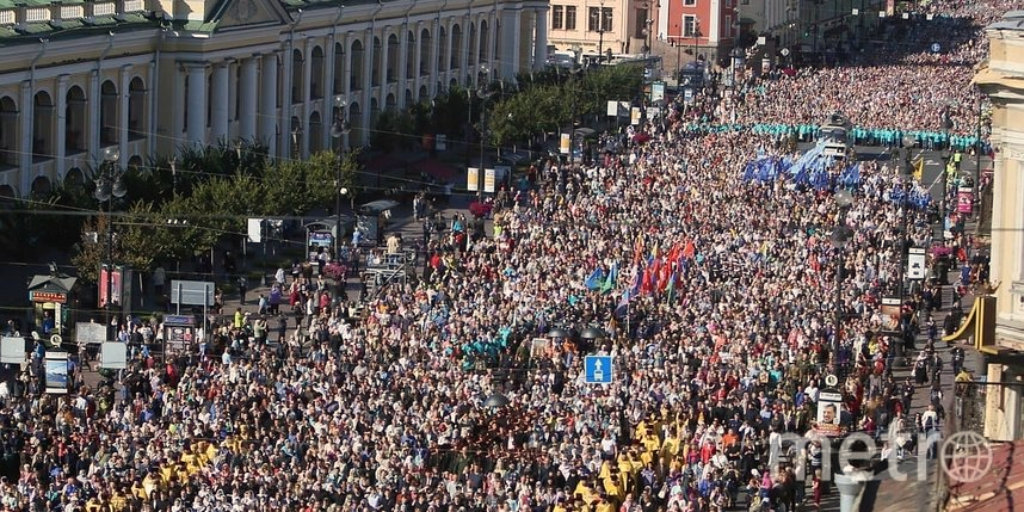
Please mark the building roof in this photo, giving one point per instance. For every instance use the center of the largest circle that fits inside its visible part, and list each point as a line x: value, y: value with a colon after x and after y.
x: 61, y: 282
x: 1001, y: 488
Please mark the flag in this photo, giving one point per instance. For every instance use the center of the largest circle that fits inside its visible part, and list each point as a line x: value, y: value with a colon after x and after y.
x: 595, y: 280
x: 690, y: 250
x: 919, y: 170
x: 666, y: 272
x: 671, y: 287
x: 638, y: 249
x: 609, y: 282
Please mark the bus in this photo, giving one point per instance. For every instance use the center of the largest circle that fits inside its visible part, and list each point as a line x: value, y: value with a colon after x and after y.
x: 835, y: 136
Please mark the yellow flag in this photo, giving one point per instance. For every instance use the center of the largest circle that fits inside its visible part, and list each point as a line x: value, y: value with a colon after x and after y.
x: 919, y: 170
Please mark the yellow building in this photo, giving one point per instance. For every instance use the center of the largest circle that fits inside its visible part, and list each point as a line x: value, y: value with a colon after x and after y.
x: 150, y: 76
x: 1003, y: 81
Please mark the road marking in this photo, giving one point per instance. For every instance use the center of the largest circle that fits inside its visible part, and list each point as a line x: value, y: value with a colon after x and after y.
x: 936, y: 181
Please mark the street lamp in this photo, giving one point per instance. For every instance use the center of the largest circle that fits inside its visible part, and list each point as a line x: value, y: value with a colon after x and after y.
x: 737, y: 56
x: 110, y: 185
x: 484, y: 94
x: 339, y: 128
x: 841, y: 236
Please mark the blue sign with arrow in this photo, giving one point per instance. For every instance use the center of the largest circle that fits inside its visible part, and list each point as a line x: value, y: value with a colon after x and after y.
x: 598, y: 369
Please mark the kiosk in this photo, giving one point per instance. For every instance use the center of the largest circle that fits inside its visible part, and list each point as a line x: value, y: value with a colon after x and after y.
x: 52, y: 297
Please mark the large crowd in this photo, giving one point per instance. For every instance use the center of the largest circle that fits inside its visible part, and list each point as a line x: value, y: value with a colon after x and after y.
x: 717, y: 297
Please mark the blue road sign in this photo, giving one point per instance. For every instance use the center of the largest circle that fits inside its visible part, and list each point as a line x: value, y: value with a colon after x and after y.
x: 598, y: 369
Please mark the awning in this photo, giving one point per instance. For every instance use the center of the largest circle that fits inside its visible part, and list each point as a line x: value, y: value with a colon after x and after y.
x: 585, y: 132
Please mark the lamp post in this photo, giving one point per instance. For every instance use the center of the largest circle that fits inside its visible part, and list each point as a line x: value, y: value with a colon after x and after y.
x: 908, y: 144
x: 110, y: 185
x: 737, y: 61
x: 339, y: 128
x: 696, y: 37
x: 940, y: 232
x: 484, y: 95
x: 574, y: 74
x: 841, y: 236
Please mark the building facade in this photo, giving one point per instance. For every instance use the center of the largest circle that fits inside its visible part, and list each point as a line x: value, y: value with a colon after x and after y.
x: 149, y: 76
x: 1003, y: 81
x: 592, y: 27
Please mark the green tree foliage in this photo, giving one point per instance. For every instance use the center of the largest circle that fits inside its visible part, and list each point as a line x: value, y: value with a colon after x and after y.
x: 297, y: 187
x: 395, y: 130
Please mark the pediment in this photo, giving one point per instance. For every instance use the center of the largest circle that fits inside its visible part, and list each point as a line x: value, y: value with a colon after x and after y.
x: 237, y: 14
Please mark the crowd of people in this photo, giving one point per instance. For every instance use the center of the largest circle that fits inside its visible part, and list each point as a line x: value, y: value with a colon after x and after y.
x: 722, y: 300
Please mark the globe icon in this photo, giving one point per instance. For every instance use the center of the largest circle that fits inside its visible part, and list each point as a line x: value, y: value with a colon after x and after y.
x: 966, y: 457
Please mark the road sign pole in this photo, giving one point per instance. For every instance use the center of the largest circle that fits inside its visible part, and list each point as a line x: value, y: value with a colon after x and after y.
x: 178, y: 310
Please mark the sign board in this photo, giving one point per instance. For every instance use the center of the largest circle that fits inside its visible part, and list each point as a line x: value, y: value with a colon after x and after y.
x: 830, y: 408
x: 965, y: 200
x: 502, y: 173
x: 598, y: 369
x: 441, y: 142
x: 472, y: 179
x: 90, y: 332
x: 47, y: 296
x: 856, y: 12
x: 114, y: 355
x: 12, y: 350
x: 192, y: 293
x: 564, y: 143
x: 110, y: 281
x: 178, y: 337
x: 254, y: 230
x: 613, y: 108
x: 56, y: 368
x: 657, y: 91
x: 489, y: 181
x: 891, y: 310
x: 688, y: 95
x: 916, y: 263
x: 538, y: 346
x: 653, y: 112
x: 634, y: 116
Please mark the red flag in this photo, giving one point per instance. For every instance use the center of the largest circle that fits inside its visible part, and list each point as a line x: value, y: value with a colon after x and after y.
x: 663, y: 279
x: 690, y: 251
x: 638, y: 249
x: 647, y: 285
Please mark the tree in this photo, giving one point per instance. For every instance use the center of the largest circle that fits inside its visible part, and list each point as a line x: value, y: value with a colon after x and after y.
x: 298, y: 187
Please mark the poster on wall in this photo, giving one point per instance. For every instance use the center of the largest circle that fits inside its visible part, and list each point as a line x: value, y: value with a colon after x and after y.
x: 110, y: 281
x: 56, y: 368
x: 473, y: 179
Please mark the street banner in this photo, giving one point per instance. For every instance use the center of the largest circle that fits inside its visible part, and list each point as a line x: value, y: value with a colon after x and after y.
x: 473, y: 179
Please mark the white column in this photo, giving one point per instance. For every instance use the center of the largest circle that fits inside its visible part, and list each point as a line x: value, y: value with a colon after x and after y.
x: 285, y: 121
x: 713, y: 30
x: 448, y: 55
x: 516, y: 28
x: 268, y: 103
x: 510, y: 44
x: 435, y: 49
x: 327, y: 114
x: 307, y: 97
x: 247, y: 98
x: 418, y: 62
x: 27, y: 116
x: 367, y: 84
x: 153, y: 89
x: 347, y: 85
x: 540, y: 50
x: 219, y: 96
x: 476, y: 51
x: 95, y: 102
x: 384, y: 50
x: 197, y: 104
x: 180, y: 99
x: 60, y: 143
x: 464, y: 52
x: 492, y: 39
x: 403, y: 65
x: 122, y: 111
